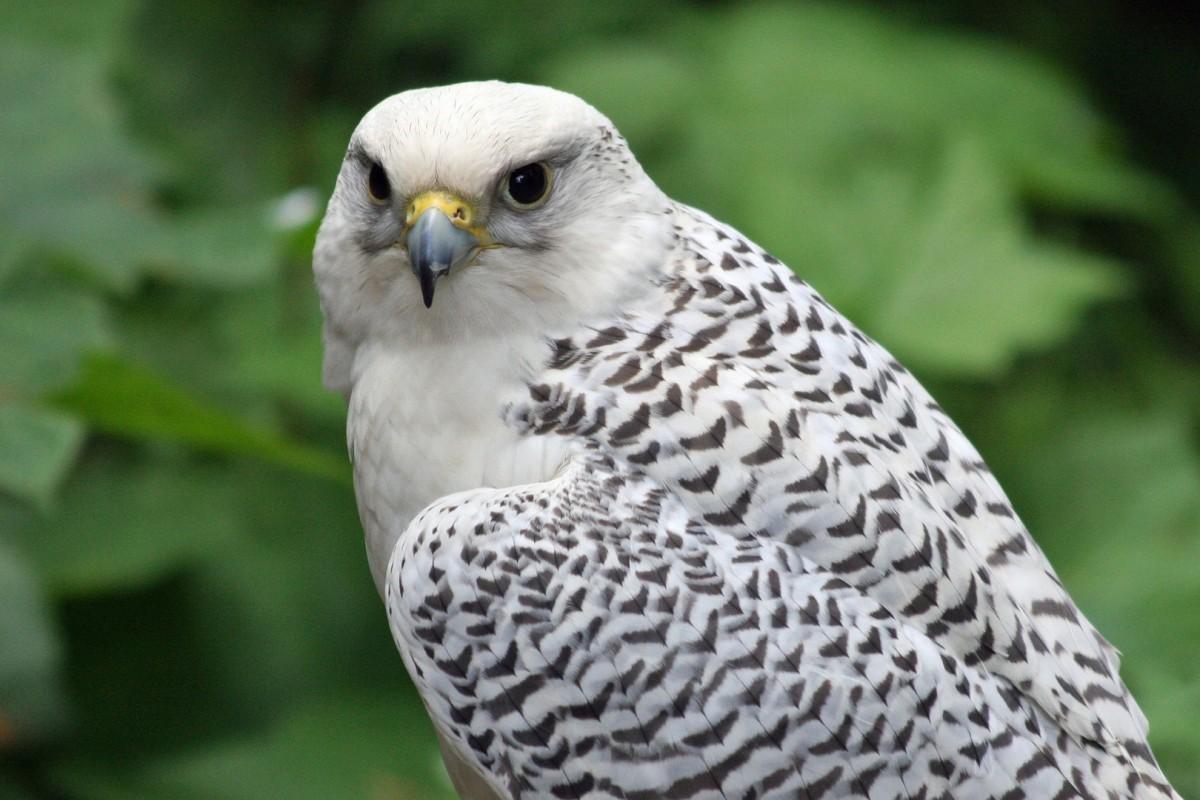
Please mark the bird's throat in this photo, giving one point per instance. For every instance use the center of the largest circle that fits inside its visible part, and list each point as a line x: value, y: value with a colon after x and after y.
x: 427, y: 422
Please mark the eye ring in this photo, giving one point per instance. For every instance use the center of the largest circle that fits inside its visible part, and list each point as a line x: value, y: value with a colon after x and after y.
x: 379, y: 188
x: 527, y: 186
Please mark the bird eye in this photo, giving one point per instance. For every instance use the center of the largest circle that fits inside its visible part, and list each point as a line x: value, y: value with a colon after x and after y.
x: 527, y: 186
x: 378, y: 185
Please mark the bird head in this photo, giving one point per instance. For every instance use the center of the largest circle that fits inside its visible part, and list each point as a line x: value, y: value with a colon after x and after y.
x: 477, y: 209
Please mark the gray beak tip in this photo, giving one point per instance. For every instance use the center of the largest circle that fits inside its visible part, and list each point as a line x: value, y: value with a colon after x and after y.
x: 435, y: 246
x: 427, y: 278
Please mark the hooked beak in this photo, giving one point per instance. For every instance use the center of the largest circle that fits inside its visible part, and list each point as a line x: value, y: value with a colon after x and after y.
x: 440, y: 236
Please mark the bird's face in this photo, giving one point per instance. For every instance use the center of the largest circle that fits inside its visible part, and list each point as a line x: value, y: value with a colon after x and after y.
x: 470, y: 209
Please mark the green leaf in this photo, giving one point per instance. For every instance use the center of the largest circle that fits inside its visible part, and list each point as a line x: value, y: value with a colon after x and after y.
x: 46, y: 326
x: 68, y: 134
x: 11, y: 789
x: 1081, y: 465
x: 224, y: 246
x: 1131, y: 485
x: 864, y: 82
x: 88, y: 26
x: 1183, y: 266
x: 240, y: 592
x: 142, y: 684
x: 231, y: 129
x: 275, y: 338
x: 122, y: 399
x: 370, y: 744
x: 36, y: 449
x: 1106, y: 475
x: 32, y: 706
x: 645, y: 89
x: 174, y: 331
x: 1170, y: 703
x: 1111, y: 492
x: 291, y: 608
x: 13, y: 251
x: 973, y: 290
x: 123, y: 521
x: 885, y: 165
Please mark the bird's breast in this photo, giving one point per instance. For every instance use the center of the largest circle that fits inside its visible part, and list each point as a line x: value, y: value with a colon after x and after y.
x: 427, y: 422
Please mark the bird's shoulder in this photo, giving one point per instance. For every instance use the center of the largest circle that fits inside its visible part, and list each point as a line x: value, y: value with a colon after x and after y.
x: 744, y: 392
x: 591, y: 634
x: 753, y: 469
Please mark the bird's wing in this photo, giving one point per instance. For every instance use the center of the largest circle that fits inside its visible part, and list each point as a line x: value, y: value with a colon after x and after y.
x: 742, y: 391
x: 593, y: 637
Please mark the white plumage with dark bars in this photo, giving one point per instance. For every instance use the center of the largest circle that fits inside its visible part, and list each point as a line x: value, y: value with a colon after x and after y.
x: 651, y: 519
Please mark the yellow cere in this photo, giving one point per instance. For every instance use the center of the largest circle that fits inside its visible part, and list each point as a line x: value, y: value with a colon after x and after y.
x: 460, y: 212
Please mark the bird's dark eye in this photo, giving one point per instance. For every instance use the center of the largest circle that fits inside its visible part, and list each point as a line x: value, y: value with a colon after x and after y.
x: 378, y: 185
x: 527, y: 186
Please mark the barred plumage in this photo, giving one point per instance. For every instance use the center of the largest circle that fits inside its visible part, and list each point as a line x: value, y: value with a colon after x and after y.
x: 728, y: 548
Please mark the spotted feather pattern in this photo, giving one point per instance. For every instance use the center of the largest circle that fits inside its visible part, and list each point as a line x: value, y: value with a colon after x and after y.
x: 774, y: 569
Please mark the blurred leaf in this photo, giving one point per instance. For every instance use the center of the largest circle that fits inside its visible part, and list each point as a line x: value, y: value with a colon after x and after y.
x: 70, y: 134
x: 884, y: 164
x: 976, y: 290
x: 89, y: 26
x: 508, y: 46
x: 1183, y: 262
x: 291, y: 607
x: 36, y: 449
x: 1170, y: 703
x: 1112, y: 494
x: 45, y: 328
x: 645, y: 89
x: 275, y: 336
x: 67, y: 134
x: 225, y: 246
x: 134, y: 656
x: 878, y: 82
x: 222, y: 100
x: 13, y: 250
x: 122, y: 399
x: 1130, y: 485
x: 1082, y: 466
x: 373, y: 744
x: 257, y: 350
x: 125, y: 521
x: 31, y: 702
x: 266, y: 599
x: 10, y: 789
x: 175, y: 332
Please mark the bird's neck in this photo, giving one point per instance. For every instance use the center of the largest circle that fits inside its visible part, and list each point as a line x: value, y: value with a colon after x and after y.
x: 427, y: 421
x: 428, y: 395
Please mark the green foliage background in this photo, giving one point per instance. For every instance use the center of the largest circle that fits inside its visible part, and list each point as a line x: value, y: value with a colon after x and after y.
x: 185, y: 610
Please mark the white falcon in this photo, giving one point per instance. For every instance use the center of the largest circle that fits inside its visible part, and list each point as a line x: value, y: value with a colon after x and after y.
x: 651, y: 519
